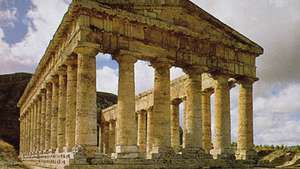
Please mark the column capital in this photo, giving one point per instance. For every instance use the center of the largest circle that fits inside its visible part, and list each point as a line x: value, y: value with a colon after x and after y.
x: 62, y: 70
x: 150, y: 109
x: 176, y: 101
x: 72, y: 60
x: 208, y: 91
x: 141, y: 112
x: 194, y: 70
x: 87, y: 49
x: 54, y: 79
x: 48, y: 85
x: 161, y: 63
x: 43, y: 90
x: 125, y: 58
x: 246, y: 80
x: 217, y: 75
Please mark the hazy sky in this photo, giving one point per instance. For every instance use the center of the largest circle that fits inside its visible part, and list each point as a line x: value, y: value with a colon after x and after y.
x: 26, y: 27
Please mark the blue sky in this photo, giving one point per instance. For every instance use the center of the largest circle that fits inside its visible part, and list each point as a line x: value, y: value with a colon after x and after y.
x: 27, y: 26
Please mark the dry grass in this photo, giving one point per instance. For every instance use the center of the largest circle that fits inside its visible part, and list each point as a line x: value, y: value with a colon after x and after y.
x: 9, y: 157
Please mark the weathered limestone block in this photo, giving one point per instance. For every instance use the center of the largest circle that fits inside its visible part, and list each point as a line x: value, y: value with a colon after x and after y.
x: 126, y: 141
x: 62, y: 98
x: 245, y: 145
x: 71, y: 102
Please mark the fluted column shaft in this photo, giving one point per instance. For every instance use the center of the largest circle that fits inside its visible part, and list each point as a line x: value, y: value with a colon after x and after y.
x: 31, y: 127
x: 222, y: 117
x: 27, y: 141
x: 38, y: 124
x: 48, y: 116
x: 245, y: 146
x: 62, y: 108
x: 184, y: 122
x: 175, y: 142
x: 86, y: 113
x: 161, y: 108
x: 126, y: 142
x: 142, y: 124
x: 54, y: 112
x: 21, y: 122
x: 35, y: 105
x: 112, y: 136
x: 206, y: 120
x: 193, y: 87
x: 105, y: 138
x: 150, y: 130
x: 71, y: 103
x: 43, y: 120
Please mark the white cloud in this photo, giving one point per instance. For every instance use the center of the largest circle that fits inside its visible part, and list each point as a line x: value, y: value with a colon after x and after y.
x: 144, y: 76
x: 8, y: 17
x: 44, y: 20
x: 107, y: 80
x: 276, y: 117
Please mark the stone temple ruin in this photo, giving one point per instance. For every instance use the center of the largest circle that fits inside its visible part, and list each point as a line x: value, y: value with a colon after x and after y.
x: 58, y: 115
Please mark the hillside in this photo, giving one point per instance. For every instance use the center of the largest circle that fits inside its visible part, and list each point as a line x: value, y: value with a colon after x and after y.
x: 11, y: 88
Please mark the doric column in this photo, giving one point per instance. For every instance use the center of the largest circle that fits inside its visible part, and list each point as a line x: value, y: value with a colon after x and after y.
x: 35, y: 107
x: 175, y: 139
x: 245, y: 146
x: 54, y: 112
x: 193, y: 87
x: 222, y: 118
x: 105, y: 138
x: 31, y: 127
x: 100, y: 136
x: 21, y: 122
x: 206, y: 120
x: 43, y: 119
x: 126, y: 143
x: 150, y: 131
x: 184, y: 122
x: 71, y: 102
x: 38, y: 124
x: 26, y: 133
x: 112, y: 136
x: 161, y: 108
x: 62, y: 100
x: 86, y: 110
x: 48, y: 116
x: 142, y: 124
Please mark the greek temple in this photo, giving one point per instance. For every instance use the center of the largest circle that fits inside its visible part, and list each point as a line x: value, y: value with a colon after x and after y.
x: 58, y: 112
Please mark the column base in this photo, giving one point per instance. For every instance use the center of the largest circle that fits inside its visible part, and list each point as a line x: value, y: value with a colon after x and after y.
x: 192, y: 153
x: 246, y: 155
x: 159, y: 153
x: 130, y: 152
x: 225, y: 154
